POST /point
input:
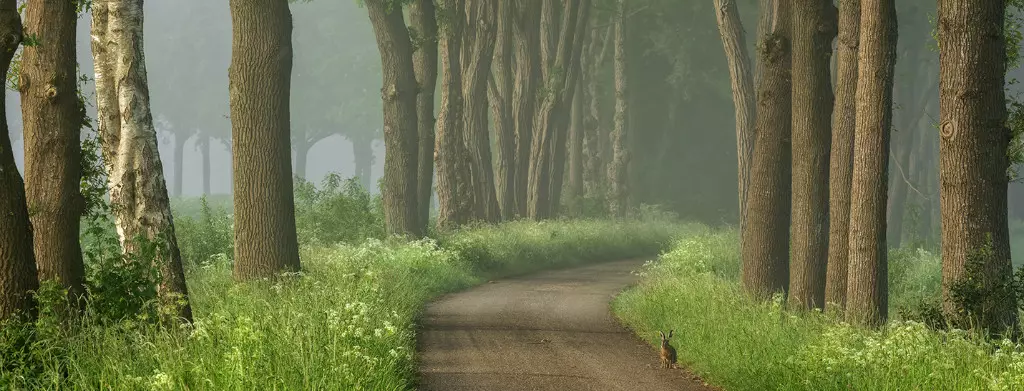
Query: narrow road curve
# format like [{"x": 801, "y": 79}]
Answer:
[{"x": 547, "y": 331}]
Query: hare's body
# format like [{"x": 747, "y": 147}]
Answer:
[{"x": 668, "y": 353}]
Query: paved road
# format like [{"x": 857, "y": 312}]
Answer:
[{"x": 548, "y": 331}]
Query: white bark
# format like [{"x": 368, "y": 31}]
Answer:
[{"x": 138, "y": 191}]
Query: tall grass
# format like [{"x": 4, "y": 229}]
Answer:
[{"x": 744, "y": 345}]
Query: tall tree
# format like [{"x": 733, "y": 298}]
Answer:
[
  {"x": 867, "y": 289},
  {"x": 17, "y": 262},
  {"x": 499, "y": 94},
  {"x": 259, "y": 85},
  {"x": 973, "y": 162},
  {"x": 765, "y": 245},
  {"x": 560, "y": 141},
  {"x": 741, "y": 75},
  {"x": 454, "y": 192},
  {"x": 53, "y": 117},
  {"x": 814, "y": 27},
  {"x": 423, "y": 21},
  {"x": 618, "y": 169},
  {"x": 477, "y": 54},
  {"x": 575, "y": 145},
  {"x": 595, "y": 139},
  {"x": 138, "y": 192},
  {"x": 401, "y": 131},
  {"x": 841, "y": 161},
  {"x": 526, "y": 33}
]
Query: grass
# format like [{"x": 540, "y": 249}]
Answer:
[
  {"x": 739, "y": 344},
  {"x": 346, "y": 322}
]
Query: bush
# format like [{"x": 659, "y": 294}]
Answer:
[{"x": 339, "y": 211}]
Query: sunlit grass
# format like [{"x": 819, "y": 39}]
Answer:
[
  {"x": 743, "y": 345},
  {"x": 346, "y": 323}
]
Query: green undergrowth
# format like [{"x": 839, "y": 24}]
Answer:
[
  {"x": 346, "y": 322},
  {"x": 739, "y": 344}
]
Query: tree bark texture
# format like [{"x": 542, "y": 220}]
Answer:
[
  {"x": 596, "y": 136},
  {"x": 138, "y": 191},
  {"x": 973, "y": 150},
  {"x": 500, "y": 98},
  {"x": 844, "y": 122},
  {"x": 814, "y": 27},
  {"x": 423, "y": 20},
  {"x": 259, "y": 81},
  {"x": 454, "y": 191},
  {"x": 765, "y": 25},
  {"x": 477, "y": 54},
  {"x": 868, "y": 289},
  {"x": 53, "y": 118},
  {"x": 618, "y": 169},
  {"x": 401, "y": 134},
  {"x": 560, "y": 147},
  {"x": 765, "y": 245},
  {"x": 740, "y": 74},
  {"x": 18, "y": 274},
  {"x": 526, "y": 44}
]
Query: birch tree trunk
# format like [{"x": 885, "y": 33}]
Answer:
[{"x": 138, "y": 191}]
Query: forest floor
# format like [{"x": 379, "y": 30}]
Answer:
[{"x": 547, "y": 331}]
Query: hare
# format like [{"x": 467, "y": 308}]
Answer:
[{"x": 668, "y": 353}]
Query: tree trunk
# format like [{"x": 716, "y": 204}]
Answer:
[
  {"x": 617, "y": 170},
  {"x": 138, "y": 192},
  {"x": 841, "y": 160},
  {"x": 362, "y": 153},
  {"x": 401, "y": 134},
  {"x": 259, "y": 84},
  {"x": 179, "y": 163},
  {"x": 576, "y": 131},
  {"x": 556, "y": 97},
  {"x": 526, "y": 33},
  {"x": 204, "y": 150},
  {"x": 814, "y": 27},
  {"x": 53, "y": 119},
  {"x": 973, "y": 153},
  {"x": 765, "y": 25},
  {"x": 477, "y": 54},
  {"x": 424, "y": 60},
  {"x": 454, "y": 195},
  {"x": 765, "y": 245},
  {"x": 595, "y": 139},
  {"x": 500, "y": 97},
  {"x": 868, "y": 289},
  {"x": 302, "y": 147},
  {"x": 18, "y": 277},
  {"x": 731, "y": 30}
]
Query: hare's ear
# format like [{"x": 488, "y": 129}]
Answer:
[
  {"x": 670, "y": 333},
  {"x": 663, "y": 334}
]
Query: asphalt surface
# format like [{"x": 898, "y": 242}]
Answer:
[{"x": 549, "y": 331}]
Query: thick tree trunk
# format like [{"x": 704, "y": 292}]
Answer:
[
  {"x": 423, "y": 20},
  {"x": 731, "y": 30},
  {"x": 454, "y": 194},
  {"x": 765, "y": 245},
  {"x": 841, "y": 160},
  {"x": 576, "y": 131},
  {"x": 179, "y": 164},
  {"x": 362, "y": 159},
  {"x": 765, "y": 25},
  {"x": 814, "y": 27},
  {"x": 868, "y": 289},
  {"x": 595, "y": 139},
  {"x": 526, "y": 31},
  {"x": 259, "y": 84},
  {"x": 18, "y": 277},
  {"x": 973, "y": 146},
  {"x": 500, "y": 98},
  {"x": 138, "y": 192},
  {"x": 477, "y": 54},
  {"x": 401, "y": 134},
  {"x": 618, "y": 169},
  {"x": 302, "y": 147},
  {"x": 53, "y": 154}
]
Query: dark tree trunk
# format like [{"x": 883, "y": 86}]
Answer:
[
  {"x": 814, "y": 27},
  {"x": 53, "y": 119},
  {"x": 179, "y": 164},
  {"x": 259, "y": 85},
  {"x": 500, "y": 97},
  {"x": 17, "y": 263},
  {"x": 841, "y": 161},
  {"x": 423, "y": 20},
  {"x": 596, "y": 138},
  {"x": 362, "y": 157},
  {"x": 765, "y": 241},
  {"x": 401, "y": 130},
  {"x": 526, "y": 32},
  {"x": 477, "y": 54},
  {"x": 454, "y": 181},
  {"x": 867, "y": 289},
  {"x": 973, "y": 159},
  {"x": 618, "y": 179}
]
